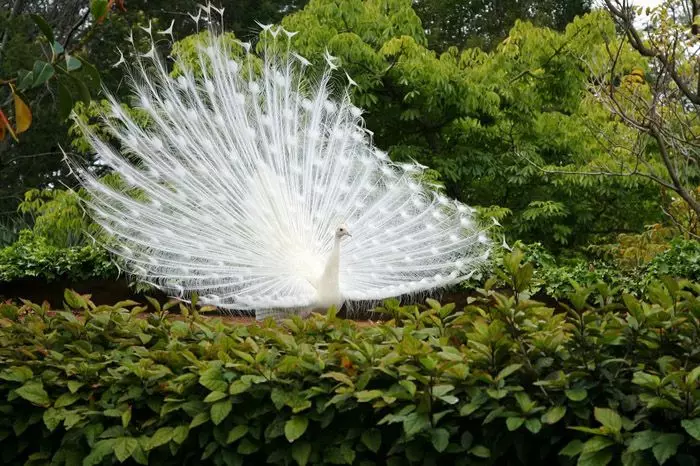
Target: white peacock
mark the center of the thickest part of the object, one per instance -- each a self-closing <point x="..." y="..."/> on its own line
<point x="261" y="191"/>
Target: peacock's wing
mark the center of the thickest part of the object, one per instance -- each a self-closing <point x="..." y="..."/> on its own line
<point x="208" y="197"/>
<point x="407" y="240"/>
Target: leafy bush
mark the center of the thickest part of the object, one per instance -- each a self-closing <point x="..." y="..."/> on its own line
<point x="558" y="277"/>
<point x="32" y="255"/>
<point x="682" y="259"/>
<point x="59" y="243"/>
<point x="58" y="216"/>
<point x="505" y="381"/>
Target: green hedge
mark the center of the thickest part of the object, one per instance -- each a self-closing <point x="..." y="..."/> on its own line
<point x="33" y="256"/>
<point x="506" y="381"/>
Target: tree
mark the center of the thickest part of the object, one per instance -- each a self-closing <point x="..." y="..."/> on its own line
<point x="485" y="121"/>
<point x="484" y="23"/>
<point x="91" y="32"/>
<point x="42" y="71"/>
<point x="658" y="101"/>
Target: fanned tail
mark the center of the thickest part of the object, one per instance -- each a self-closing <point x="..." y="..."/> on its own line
<point x="244" y="169"/>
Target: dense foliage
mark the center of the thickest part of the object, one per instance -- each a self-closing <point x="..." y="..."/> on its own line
<point x="32" y="256"/>
<point x="608" y="379"/>
<point x="59" y="245"/>
<point x="484" y="23"/>
<point x="515" y="106"/>
<point x="499" y="124"/>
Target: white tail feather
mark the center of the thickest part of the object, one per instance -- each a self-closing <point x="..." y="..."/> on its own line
<point x="244" y="175"/>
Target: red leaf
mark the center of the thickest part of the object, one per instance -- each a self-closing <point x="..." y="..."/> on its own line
<point x="5" y="123"/>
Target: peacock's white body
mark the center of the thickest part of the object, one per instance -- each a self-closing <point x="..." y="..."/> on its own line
<point x="260" y="191"/>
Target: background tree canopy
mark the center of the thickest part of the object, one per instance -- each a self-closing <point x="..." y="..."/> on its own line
<point x="484" y="23"/>
<point x="497" y="97"/>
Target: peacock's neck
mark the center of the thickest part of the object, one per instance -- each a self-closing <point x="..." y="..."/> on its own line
<point x="330" y="273"/>
<point x="329" y="286"/>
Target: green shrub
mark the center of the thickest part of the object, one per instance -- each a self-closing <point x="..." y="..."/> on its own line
<point x="33" y="256"/>
<point x="505" y="381"/>
<point x="682" y="259"/>
<point x="58" y="217"/>
<point x="558" y="277"/>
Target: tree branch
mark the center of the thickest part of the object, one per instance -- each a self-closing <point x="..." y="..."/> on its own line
<point x="75" y="27"/>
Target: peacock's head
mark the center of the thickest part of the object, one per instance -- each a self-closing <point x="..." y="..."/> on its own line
<point x="342" y="231"/>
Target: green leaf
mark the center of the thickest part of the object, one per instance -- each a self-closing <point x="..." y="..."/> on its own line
<point x="338" y="377"/>
<point x="666" y="446"/>
<point x="180" y="434"/>
<point x="372" y="439"/>
<point x="99" y="451"/>
<point x="44" y="28"/>
<point x="480" y="451"/>
<point x="533" y="425"/>
<point x="642" y="440"/>
<point x="466" y="440"/>
<point x="508" y="371"/>
<point x="124" y="447"/>
<point x="98" y="8"/>
<point x="74" y="385"/>
<point x="82" y="89"/>
<point x="415" y="423"/>
<point x="598" y="458"/>
<point x="209" y="450"/>
<point x="72" y="418"/>
<point x="72" y="63"/>
<point x="57" y="48"/>
<point x="439" y="391"/>
<point x="212" y="379"/>
<point x="295" y="427"/>
<point x="238" y="387"/>
<point x="73" y="299"/>
<point x="514" y="423"/>
<point x="220" y="410"/>
<point x="693" y="375"/>
<point x="440" y="438"/>
<point x="17" y="374"/>
<point x="596" y="444"/>
<point x="692" y="426"/>
<point x="160" y="437"/>
<point x="301" y="451"/>
<point x="140" y="456"/>
<point x="646" y="380"/>
<point x="25" y="79"/>
<point x="236" y="433"/>
<point x="126" y="417"/>
<point x="243" y="355"/>
<point x="42" y="72"/>
<point x="33" y="391"/>
<point x="199" y="419"/>
<point x="577" y="394"/>
<point x="52" y="418"/>
<point x="66" y="399"/>
<point x="92" y="75"/>
<point x="554" y="414"/>
<point x="365" y="396"/>
<point x="573" y="448"/>
<point x="215" y="396"/>
<point x="609" y="418"/>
